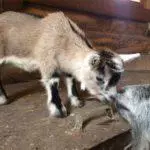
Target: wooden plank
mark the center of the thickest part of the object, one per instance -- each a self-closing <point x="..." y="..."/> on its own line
<point x="122" y="9"/>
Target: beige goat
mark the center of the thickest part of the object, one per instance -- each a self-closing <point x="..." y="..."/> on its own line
<point x="52" y="45"/>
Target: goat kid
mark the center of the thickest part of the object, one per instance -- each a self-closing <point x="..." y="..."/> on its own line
<point x="55" y="44"/>
<point x="133" y="104"/>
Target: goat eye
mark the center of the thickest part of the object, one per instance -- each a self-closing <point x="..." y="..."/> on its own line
<point x="100" y="79"/>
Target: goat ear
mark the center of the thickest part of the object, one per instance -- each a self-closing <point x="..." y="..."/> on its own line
<point x="129" y="57"/>
<point x="112" y="60"/>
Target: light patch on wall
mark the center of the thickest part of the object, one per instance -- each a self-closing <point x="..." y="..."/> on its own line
<point x="136" y="1"/>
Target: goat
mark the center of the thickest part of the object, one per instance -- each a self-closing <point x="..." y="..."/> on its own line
<point x="53" y="45"/>
<point x="133" y="104"/>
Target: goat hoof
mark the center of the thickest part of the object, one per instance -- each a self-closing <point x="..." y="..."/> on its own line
<point x="55" y="112"/>
<point x="75" y="102"/>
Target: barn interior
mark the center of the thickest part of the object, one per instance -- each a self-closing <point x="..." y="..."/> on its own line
<point x="121" y="25"/>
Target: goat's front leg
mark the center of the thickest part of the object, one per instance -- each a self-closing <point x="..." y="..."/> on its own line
<point x="72" y="91"/>
<point x="56" y="108"/>
<point x="3" y="96"/>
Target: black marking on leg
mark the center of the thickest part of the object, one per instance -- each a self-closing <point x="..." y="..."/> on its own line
<point x="56" y="98"/>
<point x="74" y="88"/>
<point x="55" y="75"/>
<point x="74" y="91"/>
<point x="2" y="90"/>
<point x="68" y="75"/>
<point x="55" y="95"/>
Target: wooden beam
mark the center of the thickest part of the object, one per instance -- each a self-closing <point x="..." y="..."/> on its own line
<point x="123" y="9"/>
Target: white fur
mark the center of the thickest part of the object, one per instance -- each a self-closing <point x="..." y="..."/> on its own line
<point x="73" y="99"/>
<point x="3" y="100"/>
<point x="27" y="64"/>
<point x="69" y="85"/>
<point x="53" y="80"/>
<point x="54" y="111"/>
<point x="49" y="94"/>
<point x="83" y="87"/>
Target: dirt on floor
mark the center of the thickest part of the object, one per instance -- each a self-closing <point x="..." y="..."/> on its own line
<point x="26" y="125"/>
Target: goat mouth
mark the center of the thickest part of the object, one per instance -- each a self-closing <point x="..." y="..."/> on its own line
<point x="120" y="106"/>
<point x="108" y="97"/>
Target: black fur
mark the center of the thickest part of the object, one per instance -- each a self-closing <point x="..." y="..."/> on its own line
<point x="114" y="79"/>
<point x="55" y="94"/>
<point x="73" y="88"/>
<point x="55" y="97"/>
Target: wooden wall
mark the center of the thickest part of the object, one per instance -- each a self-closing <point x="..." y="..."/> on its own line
<point x="126" y="9"/>
<point x="10" y="5"/>
<point x="121" y="35"/>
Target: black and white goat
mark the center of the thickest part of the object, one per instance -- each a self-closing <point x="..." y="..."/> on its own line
<point x="52" y="45"/>
<point x="133" y="104"/>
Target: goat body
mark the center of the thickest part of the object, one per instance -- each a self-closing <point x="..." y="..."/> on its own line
<point x="133" y="104"/>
